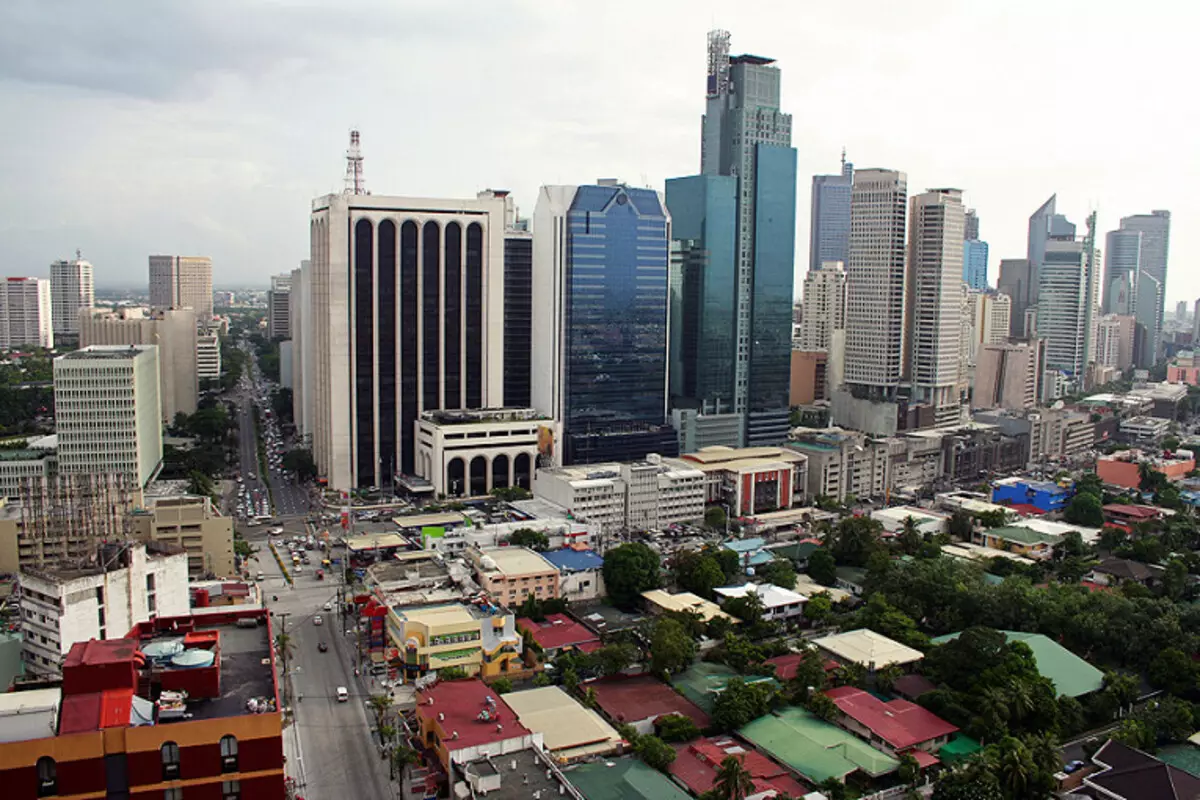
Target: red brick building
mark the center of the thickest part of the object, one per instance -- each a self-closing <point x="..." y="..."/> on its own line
<point x="183" y="708"/>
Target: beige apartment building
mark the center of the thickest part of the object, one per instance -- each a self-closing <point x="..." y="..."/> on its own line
<point x="182" y="282"/>
<point x="1007" y="375"/>
<point x="191" y="523"/>
<point x="510" y="574"/>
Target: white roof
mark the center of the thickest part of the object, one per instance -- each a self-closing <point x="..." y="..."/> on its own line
<point x="1052" y="528"/>
<point x="565" y="724"/>
<point x="868" y="649"/>
<point x="771" y="595"/>
<point x="29" y="715"/>
<point x="811" y="588"/>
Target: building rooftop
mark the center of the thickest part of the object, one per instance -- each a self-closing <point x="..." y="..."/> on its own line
<point x="644" y="697"/>
<point x="786" y="665"/>
<point x="1137" y="512"/>
<point x="570" y="730"/>
<point x="868" y="649"/>
<point x="772" y="596"/>
<point x="685" y="602"/>
<point x="1021" y="535"/>
<point x="1037" y="486"/>
<point x="438" y="616"/>
<point x="1070" y="674"/>
<point x="468" y="416"/>
<point x="559" y="630"/>
<point x="521" y="775"/>
<point x="1059" y="529"/>
<point x="975" y="552"/>
<point x="513" y="561"/>
<point x="696" y="764"/>
<point x="609" y="619"/>
<point x="898" y="722"/>
<point x="702" y="682"/>
<point x="25" y="454"/>
<point x="623" y="779"/>
<point x="451" y="519"/>
<point x="375" y="541"/>
<point x="570" y="560"/>
<point x="808" y="587"/>
<point x="816" y="749"/>
<point x="1127" y="774"/>
<point x="29" y="715"/>
<point x="459" y="706"/>
<point x="106" y="351"/>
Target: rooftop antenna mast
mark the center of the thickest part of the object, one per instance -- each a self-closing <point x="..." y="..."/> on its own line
<point x="355" y="182"/>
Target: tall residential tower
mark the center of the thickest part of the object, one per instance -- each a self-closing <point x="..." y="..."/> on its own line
<point x="72" y="287"/>
<point x="182" y="282"/>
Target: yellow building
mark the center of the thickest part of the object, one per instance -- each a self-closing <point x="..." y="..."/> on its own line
<point x="192" y="523"/>
<point x="481" y="639"/>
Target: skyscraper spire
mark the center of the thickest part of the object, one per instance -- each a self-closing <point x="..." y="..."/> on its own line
<point x="355" y="180"/>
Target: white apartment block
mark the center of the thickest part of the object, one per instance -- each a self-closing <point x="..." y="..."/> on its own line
<point x="1066" y="306"/>
<point x="182" y="282"/>
<point x="37" y="460"/>
<point x="824" y="306"/>
<point x="875" y="281"/>
<point x="72" y="287"/>
<point x="208" y="354"/>
<point x="279" y="307"/>
<point x="173" y="331"/>
<point x="470" y="453"/>
<point x="991" y="317"/>
<point x="108" y="412"/>
<point x="405" y="308"/>
<point x="25" y="313"/>
<point x="1114" y="341"/>
<point x="128" y="584"/>
<point x="934" y="300"/>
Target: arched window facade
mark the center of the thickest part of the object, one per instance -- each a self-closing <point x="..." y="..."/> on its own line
<point x="47" y="772"/>
<point x="229" y="754"/>
<point x="170" y="761"/>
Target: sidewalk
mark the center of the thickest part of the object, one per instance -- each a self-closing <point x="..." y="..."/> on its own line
<point x="294" y="757"/>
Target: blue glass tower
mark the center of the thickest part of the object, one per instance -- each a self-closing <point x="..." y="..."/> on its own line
<point x="829" y="232"/>
<point x="975" y="264"/>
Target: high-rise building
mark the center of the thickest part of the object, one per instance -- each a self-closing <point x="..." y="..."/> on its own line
<point x="1009" y="375"/>
<point x="1147" y="311"/>
<point x="208" y="354"/>
<point x="1155" y="228"/>
<point x="298" y="305"/>
<point x="108" y="412"/>
<point x="1181" y="314"/>
<point x="26" y="316"/>
<point x="1016" y="281"/>
<point x="279" y="307"/>
<point x="1045" y="224"/>
<point x="172" y="331"/>
<point x="404" y="314"/>
<point x="829" y="233"/>
<point x="1114" y="341"/>
<point x="824" y="306"/>
<point x="990" y="317"/>
<point x="970" y="225"/>
<point x="745" y="134"/>
<point x="1122" y="263"/>
<point x="518" y="303"/>
<point x="875" y="282"/>
<point x="934" y="300"/>
<point x="72" y="287"/>
<point x="1062" y="311"/>
<point x="600" y="293"/>
<point x="975" y="264"/>
<point x="703" y="282"/>
<point x="182" y="282"/>
<point x="1196" y="325"/>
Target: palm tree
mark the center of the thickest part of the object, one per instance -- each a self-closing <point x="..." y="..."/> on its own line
<point x="380" y="703"/>
<point x="1012" y="763"/>
<point x="910" y="536"/>
<point x="733" y="780"/>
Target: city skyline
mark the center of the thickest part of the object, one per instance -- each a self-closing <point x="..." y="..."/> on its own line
<point x="226" y="118"/>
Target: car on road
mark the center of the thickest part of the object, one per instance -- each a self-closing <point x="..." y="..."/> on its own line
<point x="342" y="694"/>
<point x="328" y="606"/>
<point x="322" y="647"/>
<point x="317" y="620"/>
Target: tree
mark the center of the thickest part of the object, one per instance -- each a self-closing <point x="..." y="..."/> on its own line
<point x="671" y="648"/>
<point x="502" y="685"/>
<point x="1168" y="718"/>
<point x="733" y="780"/>
<point x="1136" y="734"/>
<point x="810" y="676"/>
<point x="1084" y="509"/>
<point x="1175" y="579"/>
<point x="822" y="706"/>
<point x="300" y="461"/>
<point x="822" y="567"/>
<point x="961" y="525"/>
<point x="741" y="703"/>
<point x="616" y="657"/>
<point x="1172" y="671"/>
<point x="833" y="789"/>
<point x="855" y="539"/>
<point x="996" y="518"/>
<point x="697" y="572"/>
<point x="541" y="679"/>
<point x="629" y="570"/>
<point x="654" y="752"/>
<point x="285" y="647"/>
<point x="379" y="705"/>
<point x="910" y="536"/>
<point x="910" y="771"/>
<point x="818" y="608"/>
<point x="972" y="781"/>
<point x="715" y="518"/>
<point x="1090" y="483"/>
<point x="779" y="572"/>
<point x="676" y="728"/>
<point x="748" y="608"/>
<point x="527" y="537"/>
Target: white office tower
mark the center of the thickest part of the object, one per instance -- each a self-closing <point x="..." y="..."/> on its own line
<point x="934" y="299"/>
<point x="107" y="412"/>
<point x="404" y="314"/>
<point x="824" y="306"/>
<point x="1063" y="317"/>
<point x="208" y="354"/>
<point x="875" y="279"/>
<point x="278" y="306"/>
<point x="182" y="282"/>
<point x="174" y="333"/>
<point x="25" y="313"/>
<point x="72" y="287"/>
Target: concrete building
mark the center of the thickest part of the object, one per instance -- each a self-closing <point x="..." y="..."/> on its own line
<point x="1122" y="265"/>
<point x="779" y="604"/>
<point x="829" y="232"/>
<point x="1114" y="341"/>
<point x="510" y="574"/>
<point x="746" y="134"/>
<point x="193" y="524"/>
<point x="1184" y="368"/>
<point x="824" y="306"/>
<point x="810" y="377"/>
<point x="844" y="462"/>
<point x="1148" y="431"/>
<point x="991" y="318"/>
<point x="581" y="573"/>
<point x="1149" y="299"/>
<point x="182" y="282"/>
<point x="470" y="453"/>
<point x="1065" y="309"/>
<point x="208" y="354"/>
<point x="37" y="459"/>
<point x="1123" y="468"/>
<point x="642" y="495"/>
<point x="518" y="307"/>
<point x="932" y="301"/>
<point x="25" y="313"/>
<point x="975" y="264"/>
<point x="108" y="411"/>
<point x="384" y="338"/>
<point x="481" y="639"/>
<point x="600" y="356"/>
<point x="1016" y="281"/>
<point x="571" y="731"/>
<point x="875" y="283"/>
<point x="126" y="584"/>
<point x="751" y="480"/>
<point x="172" y="331"/>
<point x="279" y="307"/>
<point x="72" y="287"/>
<point x="300" y="305"/>
<point x="1009" y="375"/>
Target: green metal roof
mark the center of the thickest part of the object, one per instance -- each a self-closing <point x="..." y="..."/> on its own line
<point x="1015" y="533"/>
<point x="815" y="748"/>
<point x="704" y="680"/>
<point x="626" y="779"/>
<point x="1070" y="674"/>
<point x="959" y="748"/>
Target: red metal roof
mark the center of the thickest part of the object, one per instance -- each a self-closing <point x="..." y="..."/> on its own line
<point x="95" y="651"/>
<point x="95" y="710"/>
<point x="696" y="764"/>
<point x="923" y="758"/>
<point x="456" y="708"/>
<point x="785" y="665"/>
<point x="644" y="697"/>
<point x="898" y="722"/>
<point x="558" y="630"/>
<point x="1141" y="512"/>
<point x="1027" y="509"/>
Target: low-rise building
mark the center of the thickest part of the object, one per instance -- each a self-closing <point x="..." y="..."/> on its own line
<point x="480" y="638"/>
<point x="623" y="779"/>
<point x="697" y="764"/>
<point x="1146" y="431"/>
<point x="37" y="460"/>
<point x="817" y="750"/>
<point x="1184" y="368"/>
<point x="659" y="601"/>
<point x="641" y="700"/>
<point x="841" y="463"/>
<point x="510" y="574"/>
<point x="896" y="727"/>
<point x="752" y="480"/>
<point x="462" y="721"/>
<point x="194" y="524"/>
<point x="570" y="731"/>
<point x="870" y="650"/>
<point x="1123" y="468"/>
<point x="1045" y="496"/>
<point x="893" y="519"/>
<point x="470" y="453"/>
<point x="1070" y="674"/>
<point x="1123" y="773"/>
<point x="419" y="578"/>
<point x="558" y="632"/>
<point x="125" y="585"/>
<point x="581" y="573"/>
<point x="1128" y="515"/>
<point x="1018" y="539"/>
<point x="1167" y="398"/>
<point x="779" y="604"/>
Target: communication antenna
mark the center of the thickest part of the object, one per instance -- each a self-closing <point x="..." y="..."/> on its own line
<point x="355" y="182"/>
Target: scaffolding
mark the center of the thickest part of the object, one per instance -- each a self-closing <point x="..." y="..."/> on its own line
<point x="65" y="517"/>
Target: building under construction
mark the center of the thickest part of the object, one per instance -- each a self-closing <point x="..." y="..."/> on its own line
<point x="65" y="517"/>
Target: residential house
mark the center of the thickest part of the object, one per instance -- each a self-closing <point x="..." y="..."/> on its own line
<point x="696" y="765"/>
<point x="1128" y="774"/>
<point x="870" y="650"/>
<point x="510" y="574"/>
<point x="1070" y="674"/>
<point x="558" y="632"/>
<point x="1113" y="571"/>
<point x="463" y="721"/>
<point x="779" y="604"/>
<point x="581" y="573"/>
<point x="659" y="601"/>
<point x="623" y="779"/>
<point x="816" y="749"/>
<point x="896" y="727"/>
<point x="640" y="701"/>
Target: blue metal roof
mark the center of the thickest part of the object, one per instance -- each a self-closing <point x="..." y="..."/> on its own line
<point x="745" y="545"/>
<point x="574" y="560"/>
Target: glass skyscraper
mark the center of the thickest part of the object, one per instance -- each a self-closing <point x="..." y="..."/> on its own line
<point x="975" y="264"/>
<point x="829" y="232"/>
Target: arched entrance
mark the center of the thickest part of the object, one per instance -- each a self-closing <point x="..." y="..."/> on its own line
<point x="455" y="478"/>
<point x="500" y="465"/>
<point x="521" y="471"/>
<point x="478" y="476"/>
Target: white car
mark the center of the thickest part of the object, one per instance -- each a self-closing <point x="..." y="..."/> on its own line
<point x="328" y="606"/>
<point x="317" y="620"/>
<point x="343" y="694"/>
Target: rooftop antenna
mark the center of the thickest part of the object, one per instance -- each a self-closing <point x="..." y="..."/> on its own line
<point x="355" y="182"/>
<point x="78" y="254"/>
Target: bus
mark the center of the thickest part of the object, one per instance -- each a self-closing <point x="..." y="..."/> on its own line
<point x="262" y="519"/>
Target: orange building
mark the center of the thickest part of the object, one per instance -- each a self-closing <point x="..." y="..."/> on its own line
<point x="1122" y="468"/>
<point x="510" y="574"/>
<point x="809" y="370"/>
<point x="1184" y="368"/>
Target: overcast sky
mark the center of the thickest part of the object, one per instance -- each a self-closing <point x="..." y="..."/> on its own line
<point x="206" y="127"/>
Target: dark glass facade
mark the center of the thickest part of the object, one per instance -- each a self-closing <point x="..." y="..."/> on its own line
<point x="408" y="344"/>
<point x="452" y="321"/>
<point x="474" y="315"/>
<point x="386" y="347"/>
<point x="430" y="324"/>
<point x="518" y="320"/>
<point x="364" y="354"/>
<point x="615" y="326"/>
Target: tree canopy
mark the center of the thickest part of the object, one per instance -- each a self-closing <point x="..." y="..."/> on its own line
<point x="629" y="570"/>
